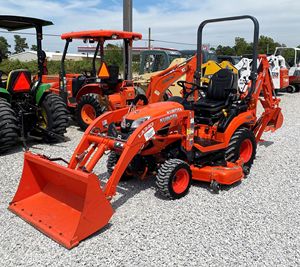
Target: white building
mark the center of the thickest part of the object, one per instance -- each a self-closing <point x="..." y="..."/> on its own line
<point x="31" y="55"/>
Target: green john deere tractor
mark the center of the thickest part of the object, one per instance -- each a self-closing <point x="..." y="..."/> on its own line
<point x="27" y="107"/>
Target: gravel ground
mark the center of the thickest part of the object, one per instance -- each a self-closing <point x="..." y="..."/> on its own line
<point x="255" y="223"/>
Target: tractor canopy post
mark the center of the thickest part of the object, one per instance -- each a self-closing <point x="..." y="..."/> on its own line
<point x="40" y="58"/>
<point x="127" y="68"/>
<point x="63" y="90"/>
<point x="95" y="56"/>
<point x="253" y="75"/>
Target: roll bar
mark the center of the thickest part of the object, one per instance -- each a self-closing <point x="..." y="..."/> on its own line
<point x="253" y="75"/>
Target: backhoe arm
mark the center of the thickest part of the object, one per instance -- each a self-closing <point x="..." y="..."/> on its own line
<point x="272" y="118"/>
<point x="162" y="81"/>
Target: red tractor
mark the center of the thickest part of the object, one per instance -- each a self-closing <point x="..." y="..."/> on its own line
<point x="90" y="94"/>
<point x="211" y="138"/>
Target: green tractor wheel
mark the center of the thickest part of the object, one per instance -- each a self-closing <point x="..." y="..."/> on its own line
<point x="53" y="116"/>
<point x="8" y="126"/>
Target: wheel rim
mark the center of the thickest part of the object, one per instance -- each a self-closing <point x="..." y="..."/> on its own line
<point x="88" y="113"/>
<point x="180" y="181"/>
<point x="246" y="150"/>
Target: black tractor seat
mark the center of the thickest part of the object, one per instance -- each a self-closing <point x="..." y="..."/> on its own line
<point x="221" y="84"/>
<point x="113" y="80"/>
<point x="209" y="105"/>
<point x="210" y="108"/>
<point x="77" y="84"/>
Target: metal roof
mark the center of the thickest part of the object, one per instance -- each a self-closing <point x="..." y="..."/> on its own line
<point x="14" y="23"/>
<point x="106" y="34"/>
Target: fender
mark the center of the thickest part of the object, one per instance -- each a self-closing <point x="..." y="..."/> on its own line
<point x="5" y="94"/>
<point x="43" y="89"/>
<point x="246" y="119"/>
<point x="92" y="88"/>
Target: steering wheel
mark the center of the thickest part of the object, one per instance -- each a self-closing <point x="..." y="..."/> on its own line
<point x="194" y="87"/>
<point x="86" y="73"/>
<point x="140" y="97"/>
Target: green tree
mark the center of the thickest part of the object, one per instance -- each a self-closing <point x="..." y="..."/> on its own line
<point x="4" y="47"/>
<point x="20" y="44"/>
<point x="225" y="50"/>
<point x="266" y="45"/>
<point x="33" y="48"/>
<point x="113" y="55"/>
<point x="242" y="47"/>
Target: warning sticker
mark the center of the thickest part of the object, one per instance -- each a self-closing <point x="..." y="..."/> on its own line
<point x="104" y="123"/>
<point x="149" y="134"/>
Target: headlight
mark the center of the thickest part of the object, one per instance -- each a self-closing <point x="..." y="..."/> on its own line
<point x="139" y="121"/>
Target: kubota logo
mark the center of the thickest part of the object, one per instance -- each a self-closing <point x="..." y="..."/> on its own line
<point x="168" y="118"/>
<point x="174" y="110"/>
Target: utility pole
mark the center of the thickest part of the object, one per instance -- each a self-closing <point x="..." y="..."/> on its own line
<point x="149" y="38"/>
<point x="127" y="26"/>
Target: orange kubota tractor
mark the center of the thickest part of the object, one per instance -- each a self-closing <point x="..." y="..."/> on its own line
<point x="211" y="139"/>
<point x="91" y="93"/>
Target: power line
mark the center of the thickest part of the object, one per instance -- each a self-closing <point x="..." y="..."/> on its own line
<point x="58" y="35"/>
<point x="30" y="33"/>
<point x="169" y="42"/>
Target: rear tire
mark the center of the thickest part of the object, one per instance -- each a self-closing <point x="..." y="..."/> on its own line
<point x="8" y="126"/>
<point x="53" y="116"/>
<point x="174" y="178"/>
<point x="242" y="144"/>
<point x="291" y="89"/>
<point x="88" y="109"/>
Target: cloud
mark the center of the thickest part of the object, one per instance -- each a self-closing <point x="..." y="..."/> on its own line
<point x="170" y="20"/>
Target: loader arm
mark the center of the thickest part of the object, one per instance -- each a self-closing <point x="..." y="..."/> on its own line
<point x="96" y="142"/>
<point x="163" y="80"/>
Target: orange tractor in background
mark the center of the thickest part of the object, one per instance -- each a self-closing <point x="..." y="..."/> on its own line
<point x="209" y="138"/>
<point x="90" y="94"/>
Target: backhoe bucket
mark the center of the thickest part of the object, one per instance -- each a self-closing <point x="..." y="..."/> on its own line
<point x="65" y="204"/>
<point x="275" y="122"/>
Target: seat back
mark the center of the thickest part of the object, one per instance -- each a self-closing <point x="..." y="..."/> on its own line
<point x="222" y="79"/>
<point x="113" y="75"/>
<point x="19" y="81"/>
<point x="77" y="84"/>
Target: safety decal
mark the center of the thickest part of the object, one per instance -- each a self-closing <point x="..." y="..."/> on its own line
<point x="149" y="134"/>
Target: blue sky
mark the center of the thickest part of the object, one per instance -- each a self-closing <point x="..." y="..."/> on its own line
<point x="170" y="20"/>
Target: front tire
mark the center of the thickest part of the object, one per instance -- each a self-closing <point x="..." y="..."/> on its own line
<point x="242" y="145"/>
<point x="112" y="160"/>
<point x="8" y="126"/>
<point x="53" y="116"/>
<point x="174" y="178"/>
<point x="88" y="109"/>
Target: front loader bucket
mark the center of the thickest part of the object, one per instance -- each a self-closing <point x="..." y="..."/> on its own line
<point x="65" y="204"/>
